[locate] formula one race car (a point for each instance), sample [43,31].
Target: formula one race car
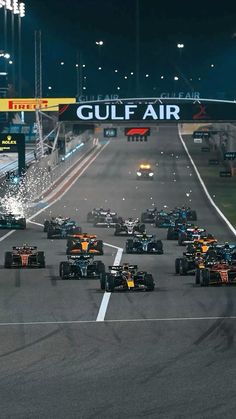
[189,235]
[164,219]
[184,214]
[14,221]
[144,243]
[145,172]
[84,244]
[217,274]
[126,277]
[93,215]
[80,267]
[149,215]
[106,219]
[129,227]
[60,227]
[189,263]
[176,229]
[24,257]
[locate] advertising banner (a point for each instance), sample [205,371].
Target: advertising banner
[153,112]
[30,104]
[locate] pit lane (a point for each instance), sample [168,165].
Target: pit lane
[57,369]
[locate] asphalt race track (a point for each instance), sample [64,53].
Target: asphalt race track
[164,354]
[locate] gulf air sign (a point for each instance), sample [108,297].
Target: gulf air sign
[31,104]
[162,111]
[119,112]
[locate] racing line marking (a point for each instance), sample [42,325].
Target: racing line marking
[71,322]
[7,235]
[106,296]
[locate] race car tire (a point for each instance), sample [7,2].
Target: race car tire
[100,246]
[64,270]
[50,233]
[129,246]
[205,278]
[117,230]
[22,225]
[110,283]
[198,276]
[181,239]
[46,226]
[142,228]
[149,282]
[100,266]
[77,230]
[183,266]
[159,247]
[192,216]
[8,260]
[177,263]
[170,234]
[103,281]
[41,259]
[144,217]
[90,218]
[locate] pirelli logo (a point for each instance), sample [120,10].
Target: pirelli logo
[26,104]
[31,104]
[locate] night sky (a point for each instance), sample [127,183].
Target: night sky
[70,30]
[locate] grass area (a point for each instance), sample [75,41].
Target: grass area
[222,190]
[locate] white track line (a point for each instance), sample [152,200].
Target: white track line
[71,322]
[204,186]
[34,222]
[7,235]
[107,295]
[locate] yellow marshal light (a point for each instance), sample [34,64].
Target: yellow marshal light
[145,166]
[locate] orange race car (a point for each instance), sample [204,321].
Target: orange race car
[84,244]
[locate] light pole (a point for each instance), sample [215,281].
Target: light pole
[100,45]
[20,15]
[137,49]
[180,48]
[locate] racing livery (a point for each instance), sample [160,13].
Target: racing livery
[126,277]
[24,257]
[217,274]
[144,243]
[84,244]
[129,227]
[80,267]
[14,221]
[60,227]
[149,215]
[106,218]
[96,213]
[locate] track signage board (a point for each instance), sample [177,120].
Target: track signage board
[14,143]
[164,111]
[110,132]
[230,155]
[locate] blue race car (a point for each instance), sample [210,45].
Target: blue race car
[144,243]
[60,228]
[80,267]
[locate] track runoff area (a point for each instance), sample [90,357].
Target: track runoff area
[68,334]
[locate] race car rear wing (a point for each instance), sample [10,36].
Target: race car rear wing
[80,256]
[121,267]
[24,247]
